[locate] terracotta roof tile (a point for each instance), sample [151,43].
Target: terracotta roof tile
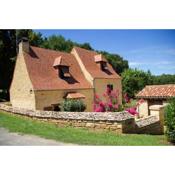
[88,59]
[44,76]
[74,95]
[99,58]
[157,91]
[59,61]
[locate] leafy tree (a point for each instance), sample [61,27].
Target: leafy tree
[55,42]
[134,80]
[7,53]
[35,39]
[164,79]
[84,46]
[117,62]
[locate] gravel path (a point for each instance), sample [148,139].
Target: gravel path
[15,139]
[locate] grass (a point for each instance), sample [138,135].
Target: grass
[16,123]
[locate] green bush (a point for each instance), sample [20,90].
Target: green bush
[73,105]
[170,120]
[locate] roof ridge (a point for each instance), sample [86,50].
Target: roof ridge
[160,85]
[85,49]
[51,50]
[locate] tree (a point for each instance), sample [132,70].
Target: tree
[117,62]
[7,53]
[35,39]
[84,46]
[57,43]
[134,80]
[164,79]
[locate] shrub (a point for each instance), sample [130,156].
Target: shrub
[73,105]
[110,103]
[170,120]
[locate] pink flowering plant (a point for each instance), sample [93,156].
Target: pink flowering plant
[110,102]
[133,110]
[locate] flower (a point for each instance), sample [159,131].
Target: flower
[110,105]
[99,109]
[109,101]
[96,96]
[132,111]
[116,106]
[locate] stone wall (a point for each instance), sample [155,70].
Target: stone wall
[118,122]
[149,125]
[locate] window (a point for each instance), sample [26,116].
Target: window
[104,66]
[64,72]
[110,86]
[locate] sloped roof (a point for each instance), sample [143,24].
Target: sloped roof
[43,76]
[157,91]
[88,59]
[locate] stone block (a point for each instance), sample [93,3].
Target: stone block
[90,125]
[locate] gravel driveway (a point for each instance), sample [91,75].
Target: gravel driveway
[9,138]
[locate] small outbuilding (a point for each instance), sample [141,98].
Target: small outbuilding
[154,95]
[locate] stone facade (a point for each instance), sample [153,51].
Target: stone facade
[46,98]
[118,122]
[143,109]
[21,90]
[24,95]
[100,84]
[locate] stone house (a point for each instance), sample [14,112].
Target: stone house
[154,95]
[43,78]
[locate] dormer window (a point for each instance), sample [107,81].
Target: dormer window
[101,62]
[104,66]
[64,72]
[62,66]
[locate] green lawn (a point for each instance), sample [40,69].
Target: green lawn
[21,124]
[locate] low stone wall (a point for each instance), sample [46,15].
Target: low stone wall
[149,125]
[118,122]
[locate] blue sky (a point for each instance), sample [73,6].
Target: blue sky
[144,49]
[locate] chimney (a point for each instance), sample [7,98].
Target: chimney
[24,45]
